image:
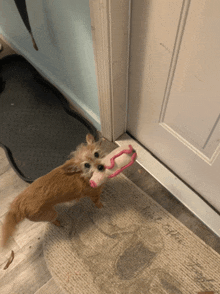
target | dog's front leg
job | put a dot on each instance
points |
(96, 201)
(98, 204)
(57, 223)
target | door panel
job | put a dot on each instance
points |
(174, 86)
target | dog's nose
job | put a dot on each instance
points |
(101, 167)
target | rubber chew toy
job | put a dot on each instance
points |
(115, 162)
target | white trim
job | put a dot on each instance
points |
(128, 67)
(120, 16)
(110, 22)
(174, 185)
(99, 13)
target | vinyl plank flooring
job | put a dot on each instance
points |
(4, 164)
(5, 253)
(10, 186)
(21, 256)
(50, 287)
(28, 273)
(28, 230)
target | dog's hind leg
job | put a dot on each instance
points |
(48, 215)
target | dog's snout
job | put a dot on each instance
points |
(101, 167)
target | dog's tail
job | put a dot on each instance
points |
(8, 227)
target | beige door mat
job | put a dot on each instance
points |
(131, 246)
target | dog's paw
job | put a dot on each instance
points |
(99, 205)
(57, 223)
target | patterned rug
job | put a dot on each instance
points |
(131, 246)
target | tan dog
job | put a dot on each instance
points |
(65, 183)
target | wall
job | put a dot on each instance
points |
(62, 31)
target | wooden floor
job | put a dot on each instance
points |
(28, 273)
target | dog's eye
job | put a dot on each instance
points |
(96, 154)
(87, 165)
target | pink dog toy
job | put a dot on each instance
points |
(115, 162)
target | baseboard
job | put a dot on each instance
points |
(174, 185)
(67, 93)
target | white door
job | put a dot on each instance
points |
(174, 88)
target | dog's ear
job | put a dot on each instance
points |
(90, 139)
(70, 168)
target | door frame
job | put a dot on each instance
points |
(110, 23)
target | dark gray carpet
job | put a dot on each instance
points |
(38, 130)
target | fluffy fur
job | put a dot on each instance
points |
(65, 183)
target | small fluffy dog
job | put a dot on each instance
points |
(65, 183)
